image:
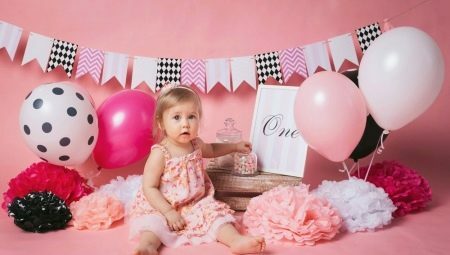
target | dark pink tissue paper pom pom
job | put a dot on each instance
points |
(408, 190)
(65, 183)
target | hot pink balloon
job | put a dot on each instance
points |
(125, 129)
(330, 113)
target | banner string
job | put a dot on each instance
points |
(407, 10)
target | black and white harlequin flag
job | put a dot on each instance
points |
(366, 35)
(268, 64)
(62, 53)
(168, 70)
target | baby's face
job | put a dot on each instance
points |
(181, 122)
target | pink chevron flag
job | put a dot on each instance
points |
(91, 62)
(293, 61)
(193, 72)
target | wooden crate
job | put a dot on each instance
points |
(238, 190)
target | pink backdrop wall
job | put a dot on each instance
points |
(209, 29)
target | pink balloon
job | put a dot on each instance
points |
(125, 122)
(330, 113)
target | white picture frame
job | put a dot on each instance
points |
(276, 141)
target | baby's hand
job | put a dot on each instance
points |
(243, 147)
(174, 220)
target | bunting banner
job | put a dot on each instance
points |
(293, 61)
(342, 49)
(115, 65)
(39, 48)
(366, 35)
(193, 72)
(243, 70)
(316, 56)
(90, 62)
(217, 71)
(144, 70)
(62, 54)
(230, 72)
(9, 38)
(268, 65)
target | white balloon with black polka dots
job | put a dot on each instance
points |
(59, 123)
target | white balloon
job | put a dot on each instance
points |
(400, 76)
(59, 123)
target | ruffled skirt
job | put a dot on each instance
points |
(203, 219)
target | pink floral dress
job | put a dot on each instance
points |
(187, 187)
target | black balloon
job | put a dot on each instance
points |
(372, 131)
(369, 140)
(352, 75)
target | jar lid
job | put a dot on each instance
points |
(229, 133)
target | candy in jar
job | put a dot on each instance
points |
(245, 164)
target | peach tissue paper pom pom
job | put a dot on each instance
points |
(361, 204)
(96, 211)
(291, 214)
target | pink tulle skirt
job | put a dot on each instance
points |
(157, 224)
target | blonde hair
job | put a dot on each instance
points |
(171, 95)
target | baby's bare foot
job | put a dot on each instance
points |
(248, 244)
(146, 250)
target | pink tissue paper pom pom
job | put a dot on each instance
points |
(291, 213)
(407, 189)
(96, 211)
(65, 183)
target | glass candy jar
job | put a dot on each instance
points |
(229, 134)
(245, 164)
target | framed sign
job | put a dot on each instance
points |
(275, 138)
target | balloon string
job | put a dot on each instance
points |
(345, 169)
(352, 169)
(359, 175)
(348, 171)
(90, 179)
(379, 149)
(98, 172)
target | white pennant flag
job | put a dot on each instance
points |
(243, 69)
(316, 55)
(217, 70)
(342, 48)
(9, 38)
(39, 48)
(115, 65)
(144, 70)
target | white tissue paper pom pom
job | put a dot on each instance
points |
(124, 189)
(362, 205)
